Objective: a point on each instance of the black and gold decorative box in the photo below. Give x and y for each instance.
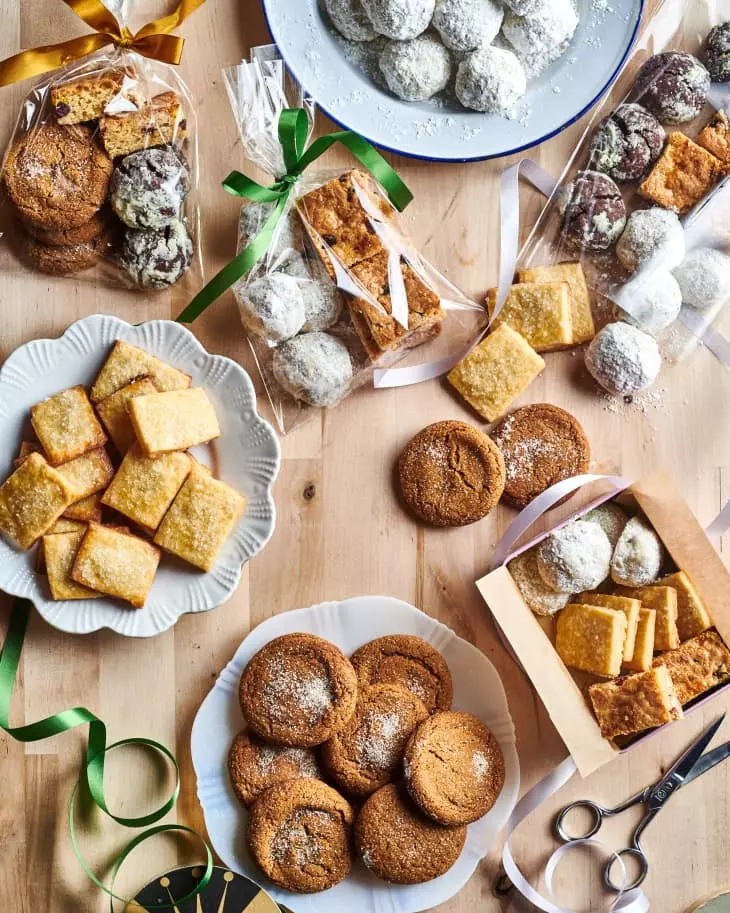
(226, 892)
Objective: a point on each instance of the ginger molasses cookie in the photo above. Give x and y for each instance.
(254, 766)
(298, 690)
(400, 659)
(454, 768)
(451, 474)
(57, 177)
(398, 843)
(71, 258)
(541, 445)
(81, 234)
(300, 835)
(368, 752)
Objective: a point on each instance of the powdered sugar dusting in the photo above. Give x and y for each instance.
(480, 765)
(311, 695)
(304, 760)
(378, 743)
(295, 837)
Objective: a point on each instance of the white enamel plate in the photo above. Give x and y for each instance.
(350, 624)
(448, 132)
(245, 456)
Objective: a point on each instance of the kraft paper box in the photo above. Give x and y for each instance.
(690, 550)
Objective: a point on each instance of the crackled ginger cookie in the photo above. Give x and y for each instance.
(298, 690)
(254, 766)
(300, 835)
(454, 768)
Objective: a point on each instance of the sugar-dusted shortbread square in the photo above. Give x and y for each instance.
(692, 616)
(164, 422)
(116, 563)
(697, 665)
(633, 703)
(496, 371)
(87, 510)
(630, 608)
(664, 600)
(66, 425)
(114, 415)
(62, 525)
(32, 499)
(643, 654)
(591, 638)
(584, 328)
(127, 363)
(200, 519)
(88, 473)
(144, 487)
(26, 448)
(683, 175)
(539, 311)
(59, 552)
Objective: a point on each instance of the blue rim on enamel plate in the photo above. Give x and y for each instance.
(246, 456)
(449, 133)
(349, 624)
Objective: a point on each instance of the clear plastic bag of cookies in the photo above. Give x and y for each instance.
(100, 176)
(340, 292)
(640, 205)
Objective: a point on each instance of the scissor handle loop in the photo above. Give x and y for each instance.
(636, 854)
(595, 810)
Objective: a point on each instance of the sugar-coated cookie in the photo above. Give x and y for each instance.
(575, 558)
(254, 766)
(638, 556)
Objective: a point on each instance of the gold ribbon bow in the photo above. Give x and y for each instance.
(153, 40)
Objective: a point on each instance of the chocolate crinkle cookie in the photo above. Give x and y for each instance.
(148, 188)
(157, 259)
(717, 53)
(627, 143)
(673, 86)
(594, 213)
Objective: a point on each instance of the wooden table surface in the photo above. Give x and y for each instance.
(340, 533)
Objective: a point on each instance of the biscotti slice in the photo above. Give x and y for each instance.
(87, 97)
(643, 655)
(66, 425)
(159, 123)
(32, 499)
(539, 311)
(591, 638)
(59, 554)
(116, 563)
(127, 363)
(634, 703)
(176, 420)
(683, 175)
(630, 607)
(114, 415)
(698, 665)
(663, 599)
(692, 616)
(584, 328)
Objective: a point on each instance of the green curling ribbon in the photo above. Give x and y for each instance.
(96, 751)
(293, 130)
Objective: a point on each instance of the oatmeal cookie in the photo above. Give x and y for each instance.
(299, 833)
(451, 474)
(298, 690)
(400, 659)
(254, 766)
(71, 258)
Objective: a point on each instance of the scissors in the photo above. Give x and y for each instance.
(690, 765)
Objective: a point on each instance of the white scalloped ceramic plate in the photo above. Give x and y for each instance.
(246, 456)
(350, 624)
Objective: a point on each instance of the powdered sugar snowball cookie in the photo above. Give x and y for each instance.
(593, 211)
(542, 35)
(652, 301)
(522, 7)
(350, 19)
(575, 558)
(314, 368)
(400, 19)
(271, 307)
(652, 237)
(611, 518)
(541, 599)
(148, 188)
(623, 359)
(637, 558)
(288, 233)
(491, 80)
(465, 25)
(673, 86)
(417, 69)
(156, 258)
(322, 299)
(627, 143)
(704, 278)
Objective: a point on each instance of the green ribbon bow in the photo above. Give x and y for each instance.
(96, 751)
(293, 131)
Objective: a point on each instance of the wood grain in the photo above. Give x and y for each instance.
(340, 532)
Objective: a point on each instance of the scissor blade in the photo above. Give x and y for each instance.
(677, 774)
(708, 761)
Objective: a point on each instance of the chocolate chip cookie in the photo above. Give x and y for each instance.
(254, 766)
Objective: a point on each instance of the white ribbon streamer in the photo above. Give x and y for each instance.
(707, 334)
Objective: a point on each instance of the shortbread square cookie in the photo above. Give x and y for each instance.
(633, 703)
(114, 415)
(643, 654)
(698, 665)
(716, 137)
(684, 174)
(116, 563)
(59, 551)
(88, 473)
(66, 425)
(164, 422)
(539, 311)
(200, 519)
(584, 328)
(500, 368)
(144, 487)
(664, 600)
(62, 525)
(127, 363)
(87, 510)
(630, 608)
(26, 448)
(32, 499)
(692, 616)
(591, 638)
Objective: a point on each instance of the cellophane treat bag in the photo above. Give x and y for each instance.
(100, 175)
(340, 291)
(643, 203)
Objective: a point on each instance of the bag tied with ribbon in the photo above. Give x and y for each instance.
(328, 286)
(101, 173)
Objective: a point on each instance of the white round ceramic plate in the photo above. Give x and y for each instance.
(245, 456)
(350, 624)
(447, 132)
